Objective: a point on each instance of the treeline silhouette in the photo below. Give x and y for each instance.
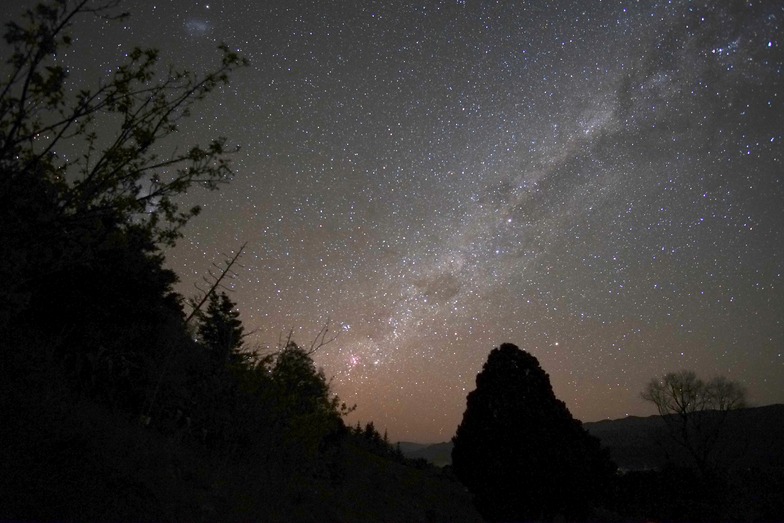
(230, 436)
(116, 405)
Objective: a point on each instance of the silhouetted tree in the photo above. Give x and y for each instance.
(695, 411)
(79, 164)
(370, 439)
(519, 450)
(301, 388)
(221, 330)
(88, 197)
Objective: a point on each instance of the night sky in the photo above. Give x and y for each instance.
(600, 183)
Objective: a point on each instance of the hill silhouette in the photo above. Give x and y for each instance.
(751, 439)
(439, 454)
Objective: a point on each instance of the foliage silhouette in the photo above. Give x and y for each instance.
(92, 429)
(371, 440)
(519, 450)
(221, 331)
(82, 166)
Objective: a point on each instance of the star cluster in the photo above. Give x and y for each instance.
(599, 183)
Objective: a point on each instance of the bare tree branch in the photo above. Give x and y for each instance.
(694, 411)
(226, 272)
(321, 338)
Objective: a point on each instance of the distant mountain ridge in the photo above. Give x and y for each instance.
(439, 454)
(751, 438)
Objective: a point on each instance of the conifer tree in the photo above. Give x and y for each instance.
(519, 450)
(221, 330)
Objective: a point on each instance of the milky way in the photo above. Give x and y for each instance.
(599, 183)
